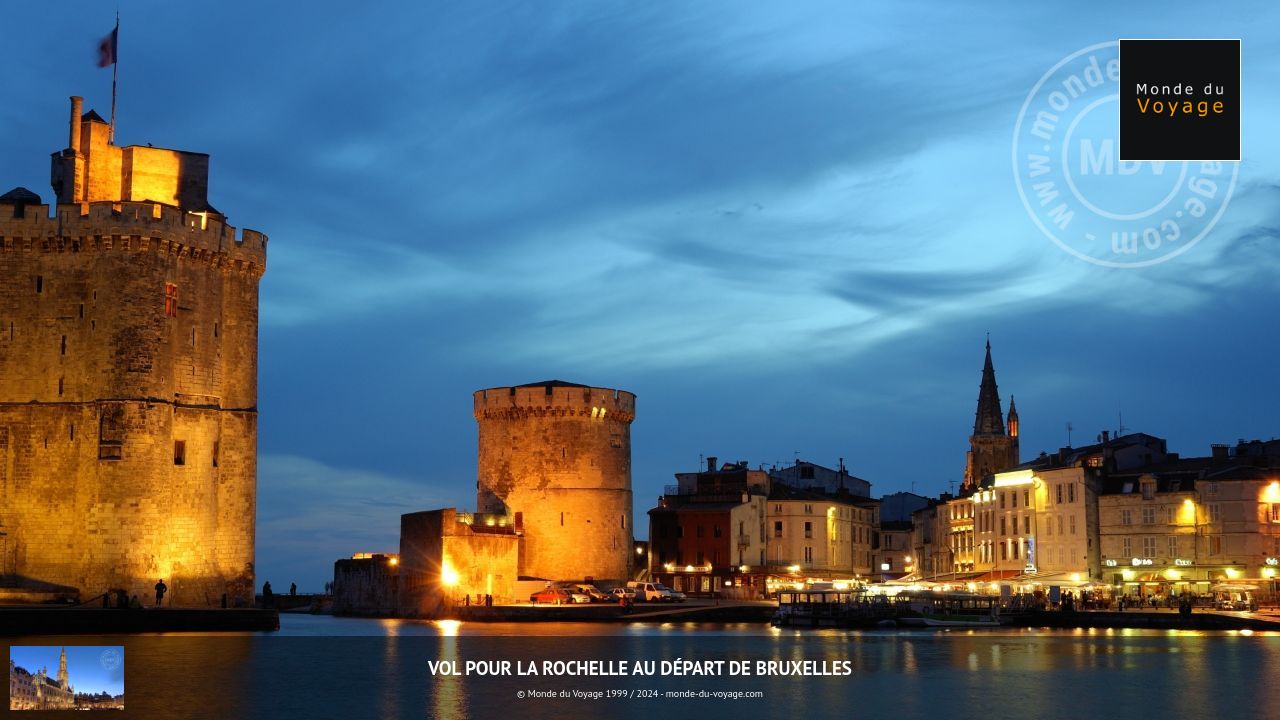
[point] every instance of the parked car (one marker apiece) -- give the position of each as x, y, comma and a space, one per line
551, 596
592, 592
577, 596
672, 595
619, 593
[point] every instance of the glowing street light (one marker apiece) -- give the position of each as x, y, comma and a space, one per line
449, 576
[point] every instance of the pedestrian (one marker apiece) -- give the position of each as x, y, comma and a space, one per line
161, 589
488, 600
466, 600
268, 598
293, 589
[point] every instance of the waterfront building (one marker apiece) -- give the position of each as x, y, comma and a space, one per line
128, 378
367, 584
811, 476
40, 691
1190, 524
931, 541
707, 536
892, 557
826, 535
448, 556
553, 492
960, 514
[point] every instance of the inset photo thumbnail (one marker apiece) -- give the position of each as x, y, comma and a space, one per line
71, 677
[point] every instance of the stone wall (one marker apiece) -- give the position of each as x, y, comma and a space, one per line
443, 559
128, 400
366, 586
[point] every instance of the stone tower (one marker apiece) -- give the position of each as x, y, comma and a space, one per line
991, 449
128, 378
63, 681
559, 455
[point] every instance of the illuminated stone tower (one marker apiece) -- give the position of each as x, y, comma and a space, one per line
128, 378
559, 455
991, 449
63, 681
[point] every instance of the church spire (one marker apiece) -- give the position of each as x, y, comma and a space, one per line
989, 419
63, 680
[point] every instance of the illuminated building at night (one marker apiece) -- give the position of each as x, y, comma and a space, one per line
128, 378
557, 456
1191, 524
553, 494
732, 530
39, 691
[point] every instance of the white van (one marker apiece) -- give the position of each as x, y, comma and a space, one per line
650, 592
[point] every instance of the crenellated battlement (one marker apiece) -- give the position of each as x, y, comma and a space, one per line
133, 226
555, 399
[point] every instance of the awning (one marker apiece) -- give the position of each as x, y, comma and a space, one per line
1055, 578
994, 575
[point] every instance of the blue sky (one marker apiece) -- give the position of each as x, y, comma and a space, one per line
88, 669
786, 229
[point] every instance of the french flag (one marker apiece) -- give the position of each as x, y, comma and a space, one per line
107, 49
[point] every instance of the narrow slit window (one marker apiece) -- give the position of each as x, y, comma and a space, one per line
179, 452
216, 445
39, 283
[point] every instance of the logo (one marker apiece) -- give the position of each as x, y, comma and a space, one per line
1096, 207
111, 659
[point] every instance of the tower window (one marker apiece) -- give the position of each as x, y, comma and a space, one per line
60, 386
179, 452
170, 300
62, 349
216, 445
39, 283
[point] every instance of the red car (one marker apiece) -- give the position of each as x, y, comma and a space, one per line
551, 596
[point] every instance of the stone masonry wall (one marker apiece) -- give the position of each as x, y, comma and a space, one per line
128, 421
560, 456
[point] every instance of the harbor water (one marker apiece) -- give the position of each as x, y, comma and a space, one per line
325, 667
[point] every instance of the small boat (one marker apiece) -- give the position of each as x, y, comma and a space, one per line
861, 609
944, 610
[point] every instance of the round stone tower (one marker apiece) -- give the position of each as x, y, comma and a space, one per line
559, 455
128, 378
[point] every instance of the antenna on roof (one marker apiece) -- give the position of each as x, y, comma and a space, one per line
1120, 430
1069, 429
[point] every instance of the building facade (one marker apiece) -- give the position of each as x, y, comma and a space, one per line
557, 457
449, 558
40, 691
822, 535
128, 378
707, 533
1190, 525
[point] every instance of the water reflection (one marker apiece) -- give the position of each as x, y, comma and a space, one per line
331, 667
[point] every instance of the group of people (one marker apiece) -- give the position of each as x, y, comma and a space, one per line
485, 600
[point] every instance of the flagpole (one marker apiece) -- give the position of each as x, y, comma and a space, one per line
115, 70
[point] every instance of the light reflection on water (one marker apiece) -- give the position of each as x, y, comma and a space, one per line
320, 667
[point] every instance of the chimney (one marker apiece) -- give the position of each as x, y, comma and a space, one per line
1106, 435
76, 105
711, 463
